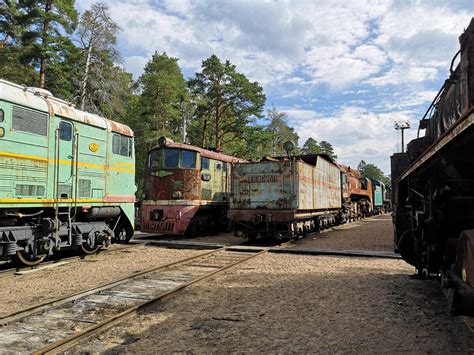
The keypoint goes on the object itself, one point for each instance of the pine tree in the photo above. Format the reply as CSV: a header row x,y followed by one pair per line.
x,y
281,131
47,21
326,148
311,146
226,99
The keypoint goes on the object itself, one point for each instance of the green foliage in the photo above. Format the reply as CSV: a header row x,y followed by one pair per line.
x,y
225,102
158,110
253,142
12,27
280,131
311,146
46,21
326,148
371,171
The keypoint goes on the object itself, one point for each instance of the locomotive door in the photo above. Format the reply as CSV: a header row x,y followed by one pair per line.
x,y
65,160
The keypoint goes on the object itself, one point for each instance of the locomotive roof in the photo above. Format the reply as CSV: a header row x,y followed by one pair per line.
x,y
307,158
348,170
169,143
43,100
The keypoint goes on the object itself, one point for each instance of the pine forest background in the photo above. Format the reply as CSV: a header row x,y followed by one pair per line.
x,y
48,44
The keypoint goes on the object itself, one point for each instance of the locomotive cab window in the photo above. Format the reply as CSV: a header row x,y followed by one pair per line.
x,y
122,145
188,159
154,158
65,131
204,163
171,158
2,115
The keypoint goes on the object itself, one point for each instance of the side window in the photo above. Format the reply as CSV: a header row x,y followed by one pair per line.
x,y
224,166
171,158
154,158
29,121
188,159
121,145
65,131
2,116
204,163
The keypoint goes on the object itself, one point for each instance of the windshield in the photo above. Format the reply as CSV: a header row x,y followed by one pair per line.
x,y
172,158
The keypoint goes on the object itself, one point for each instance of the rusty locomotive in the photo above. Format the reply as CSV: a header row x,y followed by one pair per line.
x,y
285,197
433,186
186,189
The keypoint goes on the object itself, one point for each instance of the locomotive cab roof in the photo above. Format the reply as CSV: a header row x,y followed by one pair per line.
x,y
164,142
43,100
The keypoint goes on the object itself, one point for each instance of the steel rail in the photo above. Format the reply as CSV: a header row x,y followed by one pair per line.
x,y
70,341
46,305
71,258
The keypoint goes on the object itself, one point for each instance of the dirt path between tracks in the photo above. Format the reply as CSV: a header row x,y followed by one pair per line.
x,y
374,233
293,303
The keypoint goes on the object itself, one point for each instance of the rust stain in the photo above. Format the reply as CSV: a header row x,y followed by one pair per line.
x,y
186,181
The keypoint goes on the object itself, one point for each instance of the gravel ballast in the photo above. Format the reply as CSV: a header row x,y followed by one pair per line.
x,y
22,291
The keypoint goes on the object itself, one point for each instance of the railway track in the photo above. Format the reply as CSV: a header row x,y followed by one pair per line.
x,y
58,325
14,269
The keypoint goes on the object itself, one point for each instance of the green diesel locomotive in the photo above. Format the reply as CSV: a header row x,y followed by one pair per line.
x,y
67,177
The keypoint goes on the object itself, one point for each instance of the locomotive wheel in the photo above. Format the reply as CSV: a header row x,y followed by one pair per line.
x,y
87,249
465,257
27,259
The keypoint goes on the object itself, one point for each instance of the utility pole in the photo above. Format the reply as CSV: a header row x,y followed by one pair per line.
x,y
402,126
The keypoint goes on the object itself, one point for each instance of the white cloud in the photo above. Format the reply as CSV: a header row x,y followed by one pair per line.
x,y
390,56
356,134
135,65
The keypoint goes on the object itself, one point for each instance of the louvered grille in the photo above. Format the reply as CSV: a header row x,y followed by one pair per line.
x,y
84,188
29,121
29,190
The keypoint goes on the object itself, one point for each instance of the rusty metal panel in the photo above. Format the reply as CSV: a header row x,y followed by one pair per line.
x,y
327,185
264,185
170,220
162,183
286,184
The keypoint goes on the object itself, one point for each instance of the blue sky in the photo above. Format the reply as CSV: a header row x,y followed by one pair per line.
x,y
344,71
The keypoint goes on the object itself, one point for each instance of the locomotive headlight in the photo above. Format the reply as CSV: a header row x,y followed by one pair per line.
x,y
177,194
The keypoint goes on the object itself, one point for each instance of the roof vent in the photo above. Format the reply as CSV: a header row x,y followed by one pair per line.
x,y
39,91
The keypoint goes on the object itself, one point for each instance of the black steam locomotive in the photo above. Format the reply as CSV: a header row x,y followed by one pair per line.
x,y
433,186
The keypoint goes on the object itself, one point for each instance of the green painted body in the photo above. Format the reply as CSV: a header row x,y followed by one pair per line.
x,y
84,171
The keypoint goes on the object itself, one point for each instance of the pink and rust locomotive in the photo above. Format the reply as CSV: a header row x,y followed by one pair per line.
x,y
186,189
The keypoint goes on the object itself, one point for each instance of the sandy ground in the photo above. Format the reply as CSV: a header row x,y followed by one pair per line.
x,y
293,303
21,291
221,238
375,233
273,303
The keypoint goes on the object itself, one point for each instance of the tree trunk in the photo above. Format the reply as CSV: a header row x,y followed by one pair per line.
x,y
218,126
86,77
3,42
44,42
